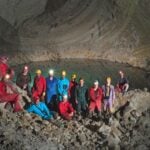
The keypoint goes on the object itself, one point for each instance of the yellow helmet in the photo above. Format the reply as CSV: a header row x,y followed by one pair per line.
x,y
109,78
74,76
63,73
38,71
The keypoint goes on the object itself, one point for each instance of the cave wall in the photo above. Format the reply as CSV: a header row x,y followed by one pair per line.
x,y
38,30
17,11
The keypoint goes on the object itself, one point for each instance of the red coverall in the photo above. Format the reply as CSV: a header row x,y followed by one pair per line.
x,y
65,109
72,87
95,99
3,69
10,98
39,87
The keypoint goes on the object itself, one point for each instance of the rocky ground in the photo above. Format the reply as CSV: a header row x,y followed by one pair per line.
x,y
128,129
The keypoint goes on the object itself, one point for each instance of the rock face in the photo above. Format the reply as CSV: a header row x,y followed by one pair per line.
x,y
17,11
107,29
128,129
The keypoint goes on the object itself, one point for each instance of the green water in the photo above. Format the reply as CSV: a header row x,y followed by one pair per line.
x,y
91,70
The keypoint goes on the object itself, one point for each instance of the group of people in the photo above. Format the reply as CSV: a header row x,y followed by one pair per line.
x,y
53,95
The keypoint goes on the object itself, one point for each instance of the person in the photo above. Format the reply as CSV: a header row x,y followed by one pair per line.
x,y
40,109
24,79
96,96
109,95
65,108
12,98
72,87
4,68
63,86
81,97
39,86
51,90
123,83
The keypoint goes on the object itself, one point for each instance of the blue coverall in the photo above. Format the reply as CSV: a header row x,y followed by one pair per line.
x,y
51,89
41,110
63,86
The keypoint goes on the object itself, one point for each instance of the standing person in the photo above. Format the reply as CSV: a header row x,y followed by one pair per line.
x,y
4,68
96,96
51,91
81,97
24,79
65,108
13,98
123,83
63,86
39,86
109,95
72,87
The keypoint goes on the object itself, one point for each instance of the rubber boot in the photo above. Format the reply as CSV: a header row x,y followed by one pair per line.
x,y
110,119
99,114
90,114
84,114
105,114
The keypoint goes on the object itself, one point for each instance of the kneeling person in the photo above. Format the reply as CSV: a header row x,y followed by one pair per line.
x,y
12,98
41,110
65,108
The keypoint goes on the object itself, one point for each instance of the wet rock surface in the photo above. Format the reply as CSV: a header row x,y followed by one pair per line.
x,y
127,129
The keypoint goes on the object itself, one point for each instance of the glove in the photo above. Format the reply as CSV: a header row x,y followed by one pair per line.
x,y
43,94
